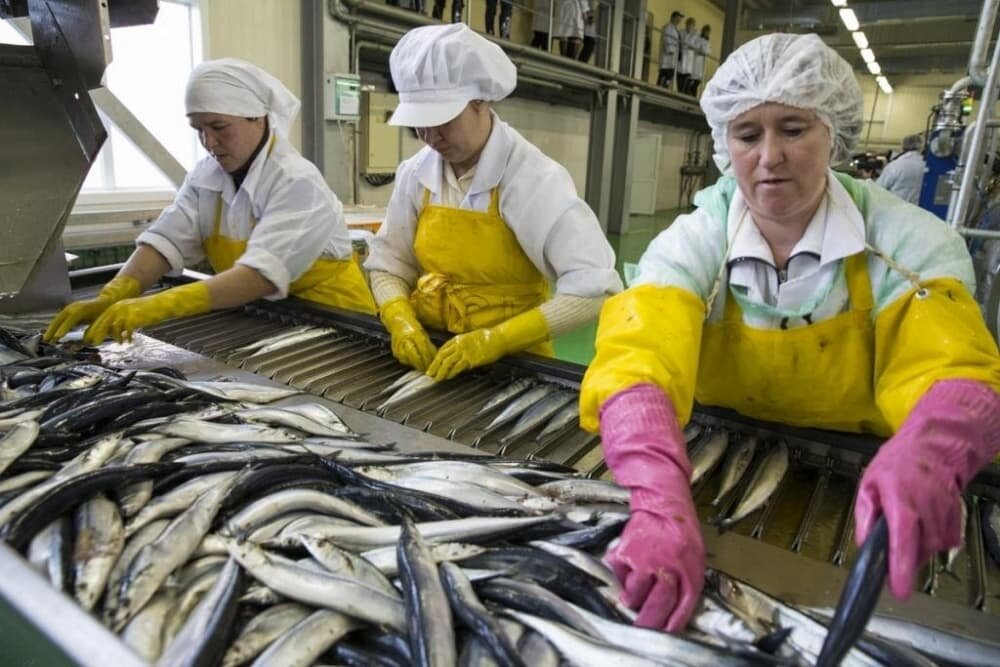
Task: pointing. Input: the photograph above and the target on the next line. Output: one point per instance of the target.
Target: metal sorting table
(796, 548)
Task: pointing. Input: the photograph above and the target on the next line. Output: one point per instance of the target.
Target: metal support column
(729, 28)
(313, 14)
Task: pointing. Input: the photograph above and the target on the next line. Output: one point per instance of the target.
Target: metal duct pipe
(980, 46)
(971, 159)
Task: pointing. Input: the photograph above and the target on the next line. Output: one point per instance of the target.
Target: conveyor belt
(810, 514)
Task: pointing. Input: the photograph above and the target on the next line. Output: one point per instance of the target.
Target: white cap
(796, 70)
(439, 69)
(237, 88)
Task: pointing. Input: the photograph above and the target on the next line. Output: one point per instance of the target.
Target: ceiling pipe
(980, 49)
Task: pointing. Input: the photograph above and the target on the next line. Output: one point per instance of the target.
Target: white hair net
(798, 70)
(237, 88)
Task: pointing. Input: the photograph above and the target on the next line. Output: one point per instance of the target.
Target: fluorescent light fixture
(860, 39)
(883, 83)
(868, 55)
(839, 3)
(874, 67)
(850, 19)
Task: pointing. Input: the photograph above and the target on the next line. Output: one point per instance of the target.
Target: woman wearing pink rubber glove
(799, 295)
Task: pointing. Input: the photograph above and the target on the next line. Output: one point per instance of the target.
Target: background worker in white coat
(797, 295)
(689, 43)
(480, 221)
(701, 47)
(670, 49)
(254, 208)
(904, 175)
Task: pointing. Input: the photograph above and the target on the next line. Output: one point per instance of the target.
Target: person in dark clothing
(506, 9)
(456, 10)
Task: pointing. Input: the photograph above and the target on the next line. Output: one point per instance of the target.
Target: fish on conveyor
(202, 431)
(228, 391)
(262, 630)
(202, 639)
(431, 634)
(408, 390)
(177, 500)
(578, 649)
(290, 419)
(384, 558)
(764, 482)
(100, 538)
(508, 393)
(290, 500)
(691, 432)
(346, 564)
(486, 500)
(457, 471)
(990, 511)
(518, 406)
(567, 415)
(290, 340)
(264, 342)
(949, 561)
(580, 491)
(16, 442)
(735, 467)
(707, 454)
(538, 413)
(477, 618)
(320, 589)
(404, 379)
(303, 643)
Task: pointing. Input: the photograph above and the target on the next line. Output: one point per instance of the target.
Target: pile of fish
(225, 523)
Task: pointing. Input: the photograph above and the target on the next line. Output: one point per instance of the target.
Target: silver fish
(321, 590)
(264, 342)
(262, 630)
(19, 416)
(735, 467)
(289, 500)
(522, 403)
(144, 633)
(384, 558)
(302, 644)
(458, 471)
(471, 494)
(692, 431)
(346, 564)
(188, 600)
(952, 555)
(16, 442)
(579, 490)
(508, 393)
(172, 548)
(708, 454)
(408, 390)
(579, 649)
(135, 496)
(24, 480)
(538, 413)
(428, 612)
(294, 420)
(536, 651)
(764, 482)
(567, 415)
(404, 379)
(176, 500)
(142, 537)
(290, 340)
(582, 560)
(202, 431)
(100, 539)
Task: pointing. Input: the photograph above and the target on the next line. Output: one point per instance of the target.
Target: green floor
(578, 346)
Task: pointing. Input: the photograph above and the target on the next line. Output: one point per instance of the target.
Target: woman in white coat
(569, 25)
(480, 221)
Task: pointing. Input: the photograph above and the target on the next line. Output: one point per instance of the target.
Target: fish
(346, 564)
(262, 630)
(408, 390)
(692, 431)
(580, 490)
(735, 467)
(16, 442)
(471, 494)
(404, 379)
(176, 500)
(133, 545)
(293, 420)
(431, 634)
(508, 393)
(566, 415)
(949, 561)
(269, 340)
(990, 511)
(536, 651)
(473, 614)
(384, 558)
(144, 633)
(708, 454)
(517, 407)
(303, 643)
(457, 471)
(266, 508)
(203, 431)
(320, 589)
(290, 340)
(537, 414)
(764, 482)
(100, 538)
(578, 649)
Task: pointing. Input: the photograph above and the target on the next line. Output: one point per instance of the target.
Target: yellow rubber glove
(484, 346)
(120, 287)
(410, 343)
(123, 318)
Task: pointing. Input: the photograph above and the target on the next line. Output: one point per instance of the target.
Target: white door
(645, 169)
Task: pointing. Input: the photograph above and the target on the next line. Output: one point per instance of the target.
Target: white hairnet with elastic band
(798, 70)
(237, 88)
(439, 69)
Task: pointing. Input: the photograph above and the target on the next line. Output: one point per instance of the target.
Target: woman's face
(780, 156)
(460, 140)
(231, 140)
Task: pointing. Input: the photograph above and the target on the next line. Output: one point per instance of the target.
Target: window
(148, 72)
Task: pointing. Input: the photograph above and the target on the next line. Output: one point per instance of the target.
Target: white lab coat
(670, 46)
(569, 18)
(689, 41)
(701, 48)
(540, 22)
(299, 219)
(556, 229)
(904, 176)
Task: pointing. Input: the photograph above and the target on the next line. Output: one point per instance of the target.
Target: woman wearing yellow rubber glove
(798, 295)
(480, 221)
(259, 212)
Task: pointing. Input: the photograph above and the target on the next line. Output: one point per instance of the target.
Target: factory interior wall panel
(703, 11)
(269, 36)
(338, 138)
(905, 111)
(673, 148)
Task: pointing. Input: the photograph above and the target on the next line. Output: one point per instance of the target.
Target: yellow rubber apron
(475, 273)
(332, 282)
(818, 375)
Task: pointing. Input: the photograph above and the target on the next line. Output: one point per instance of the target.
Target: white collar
(489, 170)
(209, 174)
(836, 230)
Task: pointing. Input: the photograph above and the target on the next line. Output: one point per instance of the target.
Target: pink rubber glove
(918, 475)
(660, 559)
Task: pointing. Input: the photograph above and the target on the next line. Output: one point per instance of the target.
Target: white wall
(673, 148)
(903, 112)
